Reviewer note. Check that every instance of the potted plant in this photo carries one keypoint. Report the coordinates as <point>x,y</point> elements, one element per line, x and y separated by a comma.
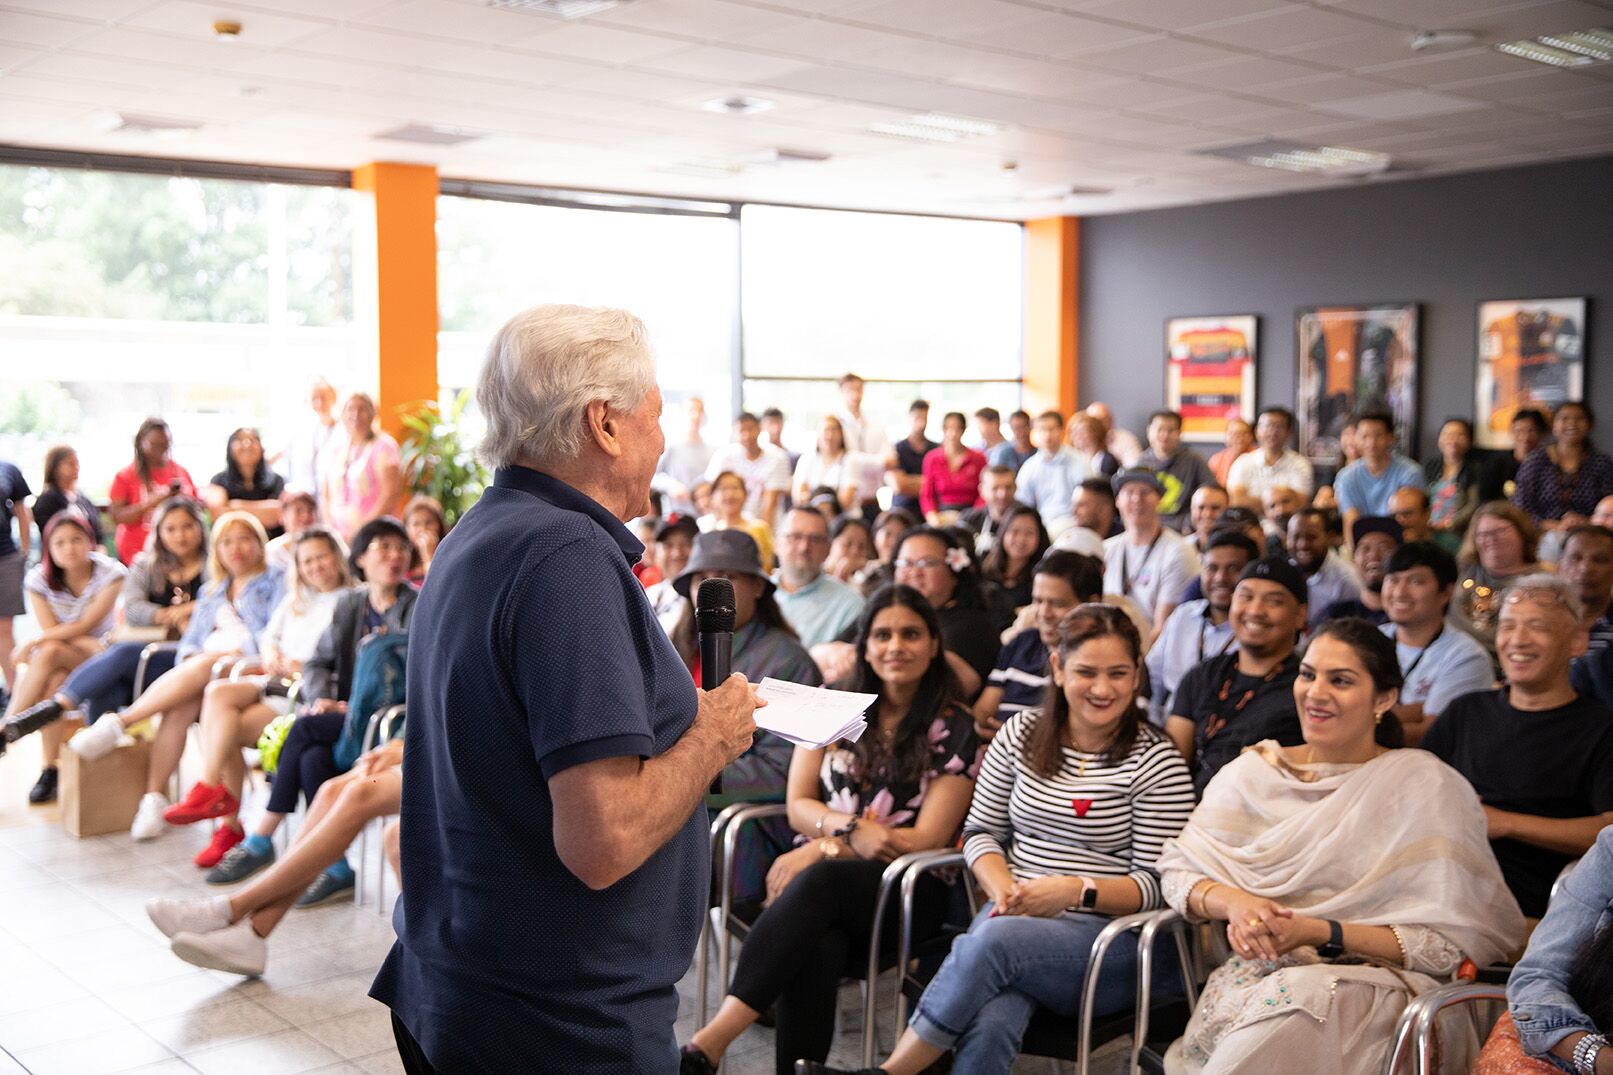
<point>439,457</point>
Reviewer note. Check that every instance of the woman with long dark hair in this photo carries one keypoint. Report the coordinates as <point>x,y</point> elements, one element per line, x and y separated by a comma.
<point>1559,484</point>
<point>1074,801</point>
<point>61,491</point>
<point>139,488</point>
<point>1350,876</point>
<point>1020,541</point>
<point>903,786</point>
<point>1453,483</point>
<point>246,483</point>
<point>940,564</point>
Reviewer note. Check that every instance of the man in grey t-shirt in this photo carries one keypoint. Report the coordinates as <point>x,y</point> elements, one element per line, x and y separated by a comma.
<point>1440,662</point>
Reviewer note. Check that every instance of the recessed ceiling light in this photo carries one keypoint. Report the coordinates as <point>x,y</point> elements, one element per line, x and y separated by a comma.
<point>1574,49</point>
<point>773,158</point>
<point>161,126</point>
<point>429,134</point>
<point>565,9</point>
<point>1294,157</point>
<point>737,105</point>
<point>1439,40</point>
<point>936,127</point>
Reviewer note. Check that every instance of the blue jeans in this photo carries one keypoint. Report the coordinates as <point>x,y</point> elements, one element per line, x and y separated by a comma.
<point>105,682</point>
<point>1003,969</point>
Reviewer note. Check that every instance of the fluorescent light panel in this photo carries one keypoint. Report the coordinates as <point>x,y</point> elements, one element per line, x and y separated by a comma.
<point>1574,49</point>
<point>1294,157</point>
<point>936,127</point>
<point>565,9</point>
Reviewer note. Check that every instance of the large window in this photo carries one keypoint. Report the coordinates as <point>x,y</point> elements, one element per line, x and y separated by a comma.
<point>922,307</point>
<point>210,302</point>
<point>678,273</point>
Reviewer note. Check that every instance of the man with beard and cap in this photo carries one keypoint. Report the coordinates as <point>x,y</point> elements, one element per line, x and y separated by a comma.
<point>1238,699</point>
<point>1327,577</point>
<point>1200,629</point>
<point>1374,538</point>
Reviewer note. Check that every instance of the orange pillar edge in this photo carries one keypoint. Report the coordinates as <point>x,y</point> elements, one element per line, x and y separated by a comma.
<point>1052,316</point>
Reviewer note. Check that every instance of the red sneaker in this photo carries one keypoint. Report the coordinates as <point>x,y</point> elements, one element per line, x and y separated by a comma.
<point>224,838</point>
<point>202,802</point>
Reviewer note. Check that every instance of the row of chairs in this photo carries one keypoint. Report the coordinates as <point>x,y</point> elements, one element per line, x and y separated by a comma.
<point>1152,1026</point>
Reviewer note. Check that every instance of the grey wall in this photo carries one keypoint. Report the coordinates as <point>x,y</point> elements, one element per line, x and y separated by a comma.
<point>1447,243</point>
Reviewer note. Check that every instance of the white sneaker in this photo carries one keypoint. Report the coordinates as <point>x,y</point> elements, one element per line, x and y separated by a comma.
<point>234,948</point>
<point>188,916</point>
<point>148,820</point>
<point>98,740</point>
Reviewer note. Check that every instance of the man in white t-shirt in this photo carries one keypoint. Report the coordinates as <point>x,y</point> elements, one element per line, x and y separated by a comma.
<point>764,468</point>
<point>863,435</point>
<point>1146,563</point>
<point>1272,463</point>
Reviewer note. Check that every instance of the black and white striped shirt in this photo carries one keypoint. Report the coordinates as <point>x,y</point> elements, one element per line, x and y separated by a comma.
<point>1110,821</point>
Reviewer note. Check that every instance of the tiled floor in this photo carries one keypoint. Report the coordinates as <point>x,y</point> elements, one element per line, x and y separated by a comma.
<point>88,986</point>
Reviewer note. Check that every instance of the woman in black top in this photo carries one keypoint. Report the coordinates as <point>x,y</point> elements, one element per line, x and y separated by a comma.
<point>1020,541</point>
<point>246,483</point>
<point>939,564</point>
<point>61,491</point>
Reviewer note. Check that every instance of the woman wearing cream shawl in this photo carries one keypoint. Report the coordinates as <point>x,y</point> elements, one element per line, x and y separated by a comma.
<point>1388,844</point>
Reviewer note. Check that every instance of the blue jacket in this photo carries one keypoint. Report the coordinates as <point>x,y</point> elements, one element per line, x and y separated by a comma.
<point>254,606</point>
<point>1537,992</point>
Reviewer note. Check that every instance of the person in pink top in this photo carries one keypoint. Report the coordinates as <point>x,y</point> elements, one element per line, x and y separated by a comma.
<point>145,483</point>
<point>950,481</point>
<point>362,476</point>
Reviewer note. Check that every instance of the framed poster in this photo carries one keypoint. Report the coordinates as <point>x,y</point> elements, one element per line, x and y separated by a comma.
<point>1354,358</point>
<point>1531,353</point>
<point>1210,373</point>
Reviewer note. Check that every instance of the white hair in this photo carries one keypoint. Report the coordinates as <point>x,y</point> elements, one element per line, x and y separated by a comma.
<point>1560,588</point>
<point>543,369</point>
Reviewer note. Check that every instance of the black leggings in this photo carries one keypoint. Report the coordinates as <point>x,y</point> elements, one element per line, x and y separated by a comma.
<point>306,760</point>
<point>815,934</point>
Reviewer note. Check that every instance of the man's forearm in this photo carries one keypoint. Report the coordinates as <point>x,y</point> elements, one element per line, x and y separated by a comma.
<point>1566,836</point>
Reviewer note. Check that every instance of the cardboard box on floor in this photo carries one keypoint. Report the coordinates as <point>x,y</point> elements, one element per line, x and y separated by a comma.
<point>101,796</point>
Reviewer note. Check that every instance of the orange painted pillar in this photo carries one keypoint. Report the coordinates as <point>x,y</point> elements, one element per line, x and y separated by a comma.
<point>1052,265</point>
<point>395,283</point>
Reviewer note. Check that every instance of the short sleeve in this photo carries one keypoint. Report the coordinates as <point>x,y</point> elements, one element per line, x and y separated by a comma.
<point>185,482</point>
<point>1601,769</point>
<point>125,488</point>
<point>1440,740</point>
<point>35,583</point>
<point>18,483</point>
<point>1470,671</point>
<point>221,479</point>
<point>578,677</point>
<point>387,453</point>
<point>779,473</point>
<point>1187,691</point>
<point>954,745</point>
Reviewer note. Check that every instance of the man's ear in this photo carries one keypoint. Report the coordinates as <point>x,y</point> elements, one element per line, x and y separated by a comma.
<point>603,427</point>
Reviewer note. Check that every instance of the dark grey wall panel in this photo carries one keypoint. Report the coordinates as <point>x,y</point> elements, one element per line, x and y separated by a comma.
<point>1446,243</point>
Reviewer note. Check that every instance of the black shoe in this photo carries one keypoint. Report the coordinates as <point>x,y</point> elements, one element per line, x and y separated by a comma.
<point>812,1067</point>
<point>29,720</point>
<point>44,789</point>
<point>691,1061</point>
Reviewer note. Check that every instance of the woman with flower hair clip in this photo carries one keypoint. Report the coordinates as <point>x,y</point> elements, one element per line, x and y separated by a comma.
<point>904,786</point>
<point>940,565</point>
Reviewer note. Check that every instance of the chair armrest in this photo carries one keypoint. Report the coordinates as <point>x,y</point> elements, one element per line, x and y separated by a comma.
<point>902,874</point>
<point>146,655</point>
<point>389,720</point>
<point>1415,1031</point>
<point>746,814</point>
<point>246,666</point>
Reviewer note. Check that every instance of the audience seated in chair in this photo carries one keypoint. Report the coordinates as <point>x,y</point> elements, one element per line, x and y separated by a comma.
<point>1244,697</point>
<point>1054,880</point>
<point>1561,991</point>
<point>1439,663</point>
<point>1500,546</point>
<point>851,546</point>
<point>817,605</point>
<point>1020,542</point>
<point>427,525</point>
<point>1148,563</point>
<point>1373,539</point>
<point>235,712</point>
<point>1587,564</point>
<point>298,511</point>
<point>1200,629</point>
<point>903,787</point>
<point>1060,581</point>
<point>231,933</point>
<point>71,593</point>
<point>728,513</point>
<point>1328,577</point>
<point>1539,756</point>
<point>234,608</point>
<point>382,606</point>
<point>246,483</point>
<point>1347,873</point>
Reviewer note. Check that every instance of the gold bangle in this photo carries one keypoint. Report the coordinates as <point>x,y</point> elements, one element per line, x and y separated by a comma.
<point>1204,898</point>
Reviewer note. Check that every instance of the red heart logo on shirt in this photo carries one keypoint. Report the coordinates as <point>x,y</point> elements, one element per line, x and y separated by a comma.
<point>1081,806</point>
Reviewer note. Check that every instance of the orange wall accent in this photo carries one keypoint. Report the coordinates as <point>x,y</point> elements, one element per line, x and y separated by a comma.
<point>395,282</point>
<point>1052,263</point>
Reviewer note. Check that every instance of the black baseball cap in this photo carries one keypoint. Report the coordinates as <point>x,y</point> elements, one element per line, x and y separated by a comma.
<point>1278,570</point>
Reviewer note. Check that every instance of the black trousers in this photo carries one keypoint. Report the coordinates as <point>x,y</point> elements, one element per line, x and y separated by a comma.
<point>815,934</point>
<point>414,1060</point>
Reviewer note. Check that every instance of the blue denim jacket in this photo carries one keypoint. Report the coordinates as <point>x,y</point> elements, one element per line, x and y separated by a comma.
<point>255,605</point>
<point>1537,992</point>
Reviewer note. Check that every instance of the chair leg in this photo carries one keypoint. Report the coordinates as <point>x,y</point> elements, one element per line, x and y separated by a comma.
<point>358,874</point>
<point>380,869</point>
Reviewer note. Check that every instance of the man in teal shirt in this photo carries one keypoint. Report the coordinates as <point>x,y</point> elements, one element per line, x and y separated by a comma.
<point>819,606</point>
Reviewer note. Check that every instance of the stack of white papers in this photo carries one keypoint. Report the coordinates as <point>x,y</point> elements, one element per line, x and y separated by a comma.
<point>812,716</point>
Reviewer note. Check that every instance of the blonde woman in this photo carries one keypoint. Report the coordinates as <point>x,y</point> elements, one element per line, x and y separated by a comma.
<point>362,476</point>
<point>235,714</point>
<point>230,617</point>
<point>728,513</point>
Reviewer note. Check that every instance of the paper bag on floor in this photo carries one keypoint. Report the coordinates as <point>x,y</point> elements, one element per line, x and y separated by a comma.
<point>100,796</point>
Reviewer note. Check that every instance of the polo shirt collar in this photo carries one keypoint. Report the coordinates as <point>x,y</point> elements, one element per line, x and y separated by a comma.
<point>804,590</point>
<point>556,492</point>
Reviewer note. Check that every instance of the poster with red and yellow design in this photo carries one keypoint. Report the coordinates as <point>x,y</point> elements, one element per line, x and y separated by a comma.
<point>1531,354</point>
<point>1210,373</point>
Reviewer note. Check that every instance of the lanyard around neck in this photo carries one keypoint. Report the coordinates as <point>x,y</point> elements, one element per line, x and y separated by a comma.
<point>1125,553</point>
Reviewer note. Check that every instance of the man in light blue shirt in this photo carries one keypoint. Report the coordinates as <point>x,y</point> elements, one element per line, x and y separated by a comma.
<point>819,606</point>
<point>1365,486</point>
<point>1014,451</point>
<point>1048,480</point>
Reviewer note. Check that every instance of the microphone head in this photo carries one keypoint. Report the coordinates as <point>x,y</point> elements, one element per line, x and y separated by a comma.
<point>714,606</point>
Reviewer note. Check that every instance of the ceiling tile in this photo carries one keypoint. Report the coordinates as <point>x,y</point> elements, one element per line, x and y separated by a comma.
<point>44,31</point>
<point>1035,78</point>
<point>16,55</point>
<point>1179,14</point>
<point>723,63</point>
<point>187,18</point>
<point>1317,88</point>
<point>1288,28</point>
<point>952,19</point>
<point>707,20</point>
<point>91,10</point>
<point>1400,104</point>
<point>1157,55</point>
<point>1353,53</point>
<point>1441,68</point>
<point>584,41</point>
<point>462,22</point>
<point>1056,35</point>
<point>1241,73</point>
<point>297,66</point>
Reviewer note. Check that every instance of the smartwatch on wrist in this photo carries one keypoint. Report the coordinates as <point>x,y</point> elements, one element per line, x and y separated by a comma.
<point>1335,941</point>
<point>1088,900</point>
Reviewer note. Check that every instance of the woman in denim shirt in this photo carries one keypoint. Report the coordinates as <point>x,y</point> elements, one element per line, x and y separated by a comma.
<point>1562,989</point>
<point>230,615</point>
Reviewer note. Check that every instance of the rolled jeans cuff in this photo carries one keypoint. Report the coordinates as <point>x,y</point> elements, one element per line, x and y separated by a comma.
<point>931,1032</point>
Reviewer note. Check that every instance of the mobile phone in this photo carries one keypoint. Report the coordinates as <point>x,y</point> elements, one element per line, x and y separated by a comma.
<point>174,487</point>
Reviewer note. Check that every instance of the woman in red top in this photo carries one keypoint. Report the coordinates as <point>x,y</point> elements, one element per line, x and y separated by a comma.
<point>951,475</point>
<point>139,487</point>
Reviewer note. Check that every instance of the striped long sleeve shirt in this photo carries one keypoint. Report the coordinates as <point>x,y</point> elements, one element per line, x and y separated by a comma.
<point>1092,818</point>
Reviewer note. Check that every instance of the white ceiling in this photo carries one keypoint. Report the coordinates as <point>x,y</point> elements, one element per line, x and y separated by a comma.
<point>1112,94</point>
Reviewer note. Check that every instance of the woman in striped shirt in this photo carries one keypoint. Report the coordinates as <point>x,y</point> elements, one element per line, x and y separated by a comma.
<point>1073,803</point>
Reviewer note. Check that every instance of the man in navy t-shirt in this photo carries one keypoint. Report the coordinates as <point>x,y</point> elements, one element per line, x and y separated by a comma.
<point>554,855</point>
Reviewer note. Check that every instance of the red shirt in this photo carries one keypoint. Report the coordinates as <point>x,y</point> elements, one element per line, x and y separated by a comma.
<point>128,489</point>
<point>945,489</point>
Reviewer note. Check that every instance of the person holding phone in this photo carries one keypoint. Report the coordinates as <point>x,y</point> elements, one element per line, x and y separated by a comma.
<point>145,483</point>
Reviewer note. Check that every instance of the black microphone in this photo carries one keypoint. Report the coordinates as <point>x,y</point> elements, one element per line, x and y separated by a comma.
<point>714,619</point>
<point>29,720</point>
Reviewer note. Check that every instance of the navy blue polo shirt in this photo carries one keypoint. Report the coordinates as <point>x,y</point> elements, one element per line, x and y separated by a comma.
<point>533,649</point>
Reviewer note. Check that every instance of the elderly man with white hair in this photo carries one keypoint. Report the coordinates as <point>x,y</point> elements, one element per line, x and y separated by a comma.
<point>554,851</point>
